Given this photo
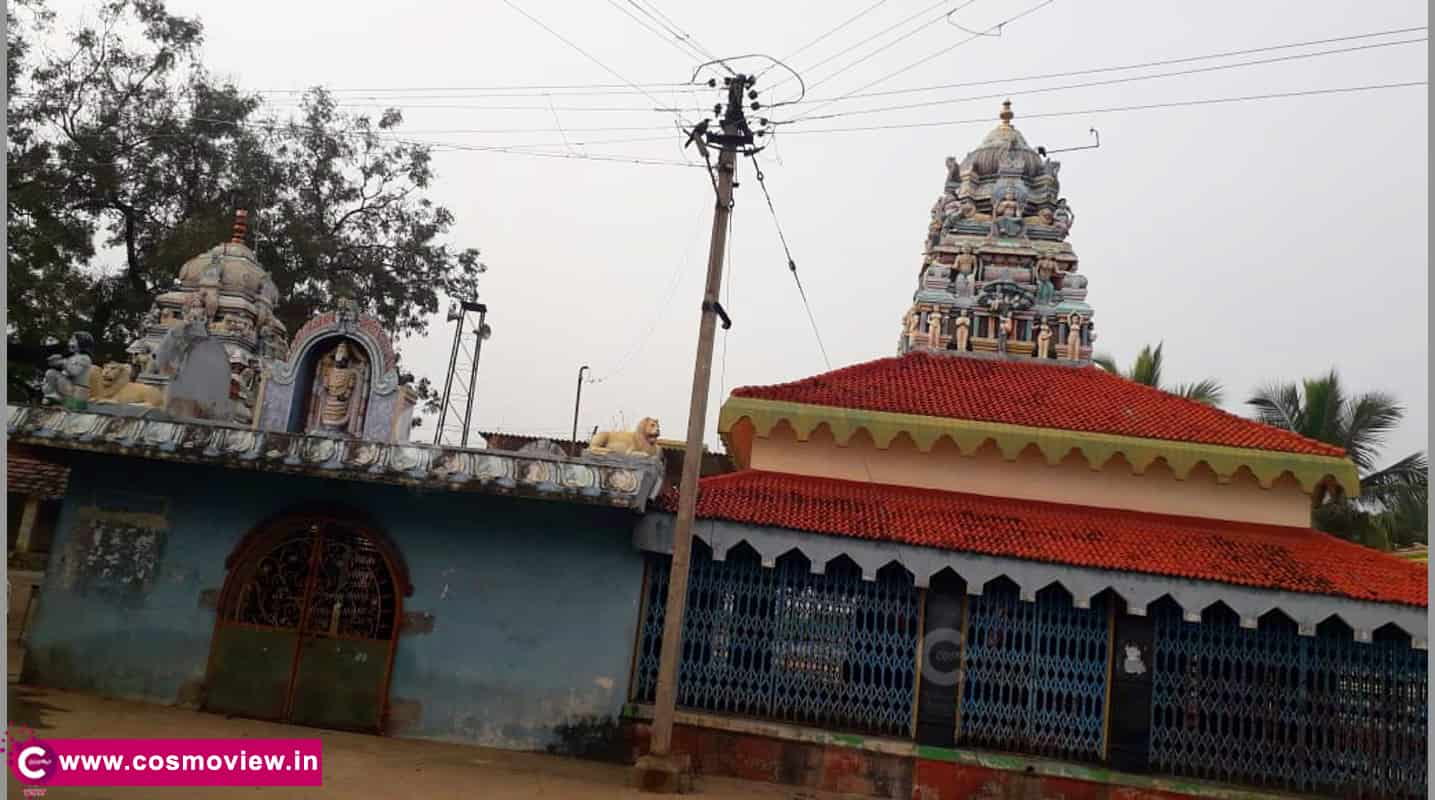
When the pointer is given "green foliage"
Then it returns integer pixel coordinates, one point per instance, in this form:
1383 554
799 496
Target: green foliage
1394 504
1146 370
127 158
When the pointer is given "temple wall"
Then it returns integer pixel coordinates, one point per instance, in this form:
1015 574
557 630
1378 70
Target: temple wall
522 619
1029 477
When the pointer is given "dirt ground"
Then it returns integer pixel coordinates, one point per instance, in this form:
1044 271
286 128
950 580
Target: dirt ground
355 765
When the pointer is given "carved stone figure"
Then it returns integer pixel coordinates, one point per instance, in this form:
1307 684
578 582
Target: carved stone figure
339 395
1043 341
1004 331
1062 218
965 267
141 357
909 323
196 309
72 383
934 329
1046 268
114 386
176 344
962 331
51 389
1045 216
641 441
1073 336
1006 215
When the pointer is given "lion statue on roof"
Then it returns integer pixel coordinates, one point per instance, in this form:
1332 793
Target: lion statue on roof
641 441
113 386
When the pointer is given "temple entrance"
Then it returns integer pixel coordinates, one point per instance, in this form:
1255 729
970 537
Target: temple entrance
306 627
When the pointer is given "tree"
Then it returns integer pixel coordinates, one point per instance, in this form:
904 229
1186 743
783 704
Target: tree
127 158
1147 371
1394 501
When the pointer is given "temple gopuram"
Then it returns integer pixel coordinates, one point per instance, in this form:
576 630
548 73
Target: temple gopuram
986 568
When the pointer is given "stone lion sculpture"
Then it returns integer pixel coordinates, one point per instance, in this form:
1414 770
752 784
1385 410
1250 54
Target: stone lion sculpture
642 441
113 386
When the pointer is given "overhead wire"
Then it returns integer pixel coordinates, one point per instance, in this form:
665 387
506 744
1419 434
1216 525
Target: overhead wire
923 11
787 251
1111 81
1123 67
663 20
909 34
511 4
672 41
943 51
1117 109
831 31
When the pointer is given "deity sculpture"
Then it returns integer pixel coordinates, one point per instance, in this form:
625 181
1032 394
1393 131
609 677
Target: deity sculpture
70 379
910 323
1043 341
962 331
338 393
1045 216
934 329
196 309
51 388
1062 217
1004 331
965 267
1046 268
1073 336
1006 215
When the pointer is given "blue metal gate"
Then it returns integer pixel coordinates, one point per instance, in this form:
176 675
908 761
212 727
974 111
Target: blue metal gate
831 650
1273 708
1034 678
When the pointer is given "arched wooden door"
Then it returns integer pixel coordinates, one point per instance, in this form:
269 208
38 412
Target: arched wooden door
308 619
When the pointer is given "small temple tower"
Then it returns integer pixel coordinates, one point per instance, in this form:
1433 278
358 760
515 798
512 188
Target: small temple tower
998 278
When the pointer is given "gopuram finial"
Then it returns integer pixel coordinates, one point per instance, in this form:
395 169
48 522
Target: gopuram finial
1006 115
241 225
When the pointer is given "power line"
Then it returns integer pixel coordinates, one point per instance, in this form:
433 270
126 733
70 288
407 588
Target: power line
791 264
584 53
674 42
895 42
626 87
666 109
946 49
1092 70
1111 81
1117 109
860 14
666 22
876 35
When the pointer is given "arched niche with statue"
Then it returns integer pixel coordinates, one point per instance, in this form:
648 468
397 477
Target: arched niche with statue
340 379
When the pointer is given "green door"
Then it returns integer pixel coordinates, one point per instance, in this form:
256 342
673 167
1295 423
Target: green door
306 634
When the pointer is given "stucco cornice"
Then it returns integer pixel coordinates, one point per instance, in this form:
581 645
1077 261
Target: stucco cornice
969 436
611 481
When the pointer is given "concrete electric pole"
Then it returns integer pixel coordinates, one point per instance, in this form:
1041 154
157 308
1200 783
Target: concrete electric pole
658 770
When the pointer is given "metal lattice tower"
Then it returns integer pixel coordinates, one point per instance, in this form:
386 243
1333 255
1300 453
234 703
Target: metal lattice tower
460 385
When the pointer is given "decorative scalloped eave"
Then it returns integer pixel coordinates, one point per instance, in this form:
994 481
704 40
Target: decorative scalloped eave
1099 449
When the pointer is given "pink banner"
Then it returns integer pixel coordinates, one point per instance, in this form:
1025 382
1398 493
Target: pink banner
167 762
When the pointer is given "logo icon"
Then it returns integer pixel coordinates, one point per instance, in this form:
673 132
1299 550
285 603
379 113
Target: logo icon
32 761
942 656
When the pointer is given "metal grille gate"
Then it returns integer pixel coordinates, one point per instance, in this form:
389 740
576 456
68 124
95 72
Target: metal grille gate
1034 677
1270 707
832 650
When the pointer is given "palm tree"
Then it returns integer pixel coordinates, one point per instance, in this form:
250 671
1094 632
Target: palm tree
1147 371
1394 500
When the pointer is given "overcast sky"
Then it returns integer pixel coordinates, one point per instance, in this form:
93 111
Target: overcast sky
1261 241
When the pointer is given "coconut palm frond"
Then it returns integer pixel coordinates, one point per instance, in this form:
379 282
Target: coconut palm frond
1279 405
1208 391
1367 420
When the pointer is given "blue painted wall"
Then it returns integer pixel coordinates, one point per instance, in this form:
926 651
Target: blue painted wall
535 603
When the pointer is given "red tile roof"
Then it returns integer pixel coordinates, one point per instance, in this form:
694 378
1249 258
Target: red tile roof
26 475
1031 394
1264 556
